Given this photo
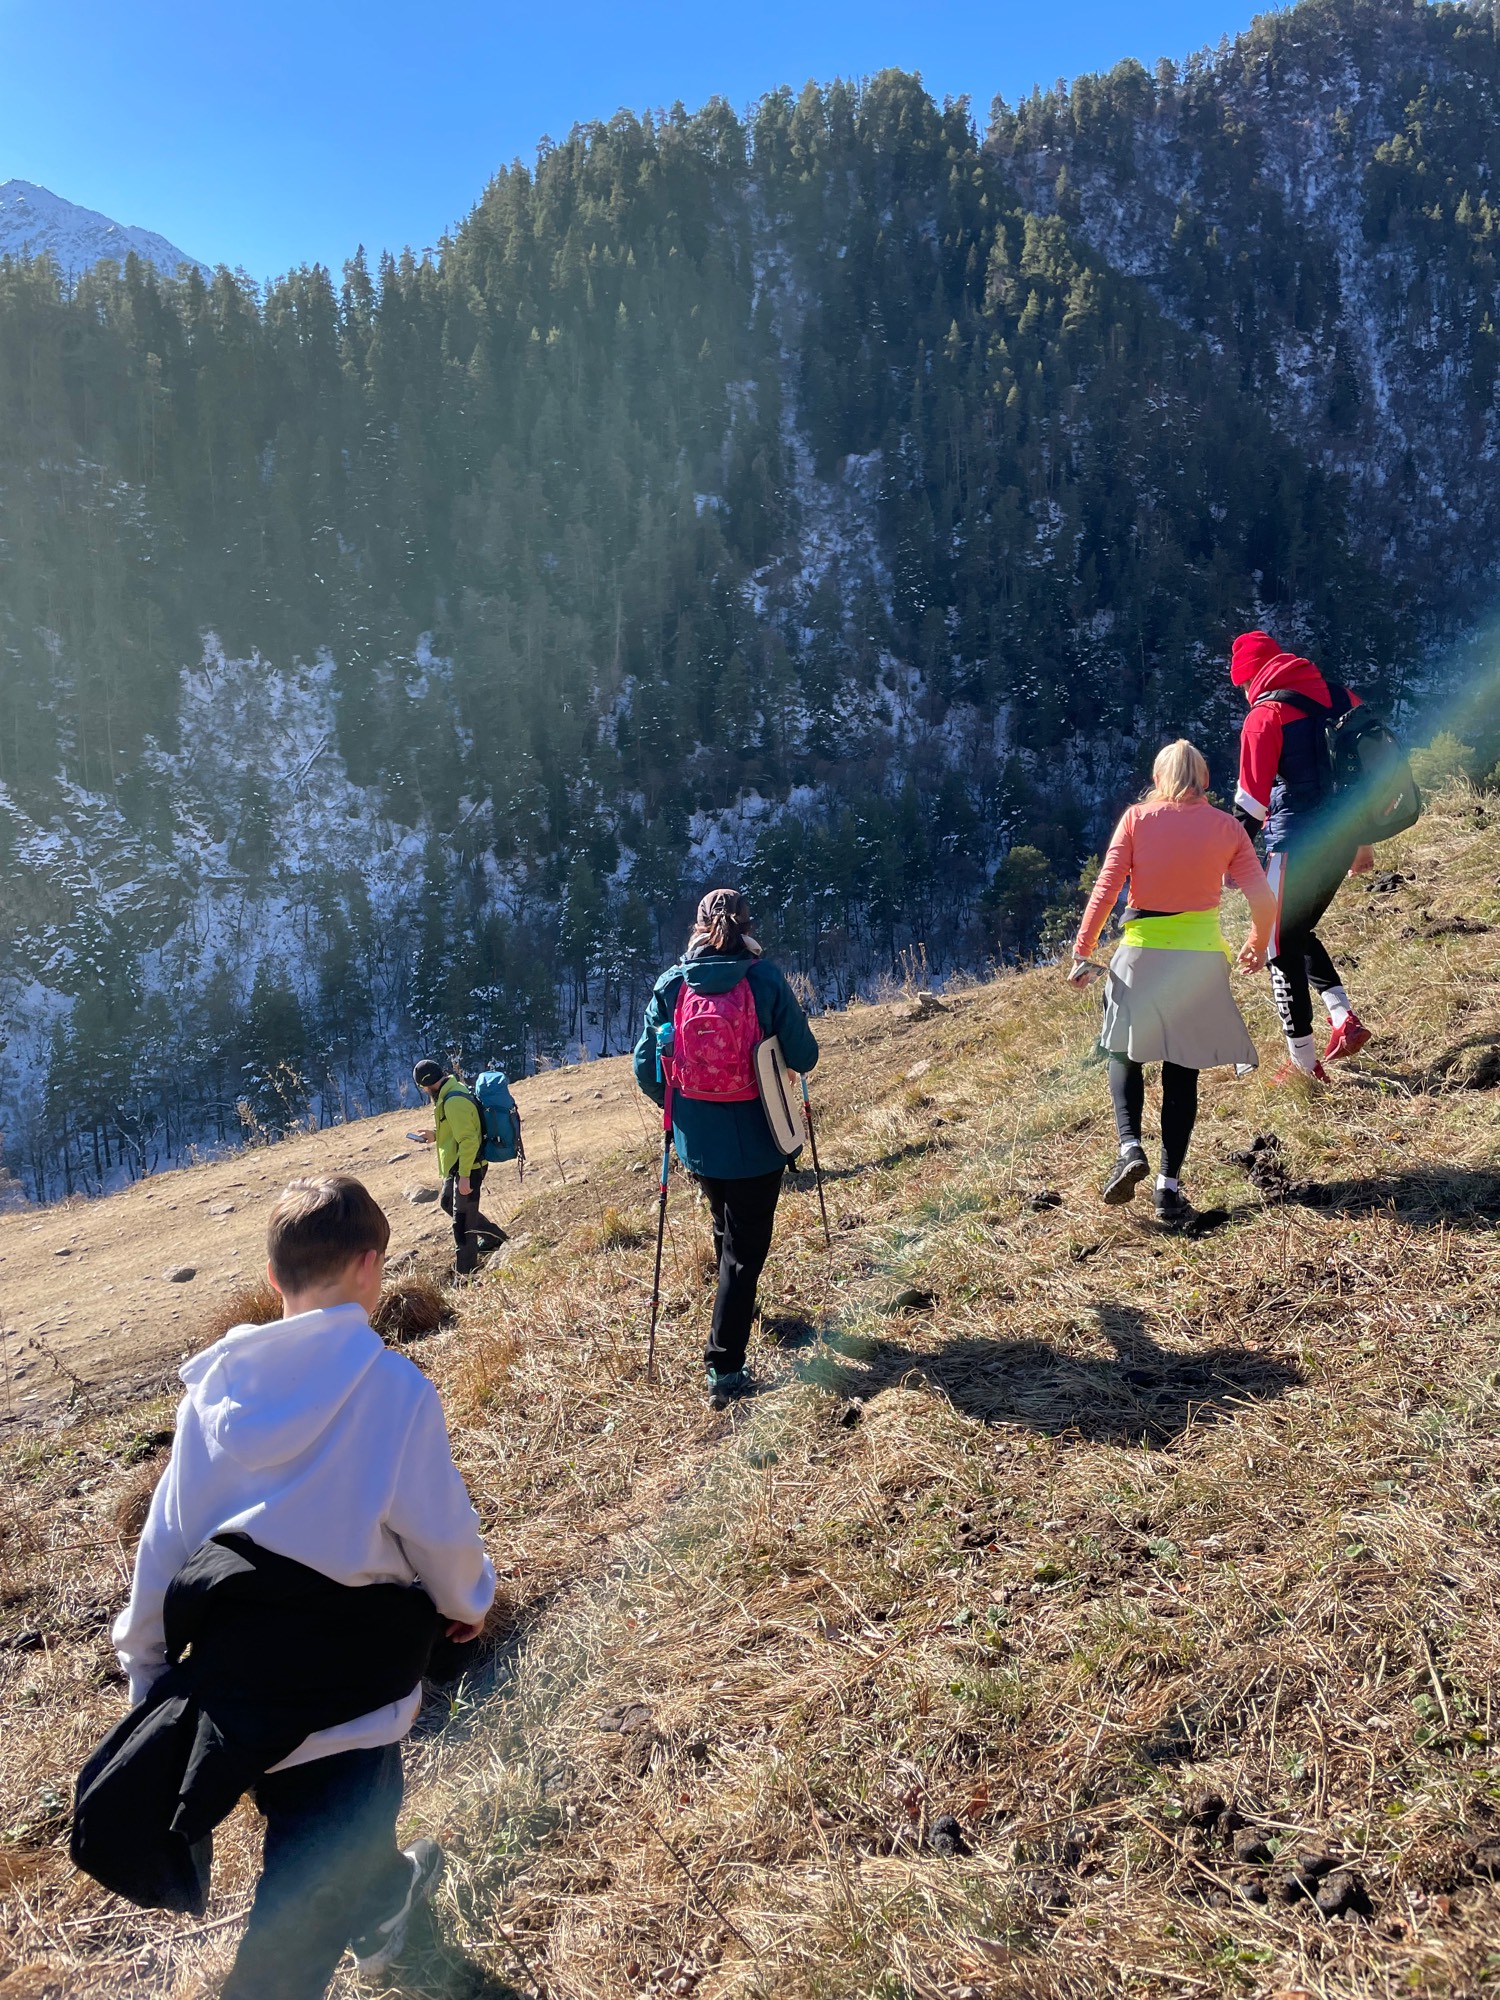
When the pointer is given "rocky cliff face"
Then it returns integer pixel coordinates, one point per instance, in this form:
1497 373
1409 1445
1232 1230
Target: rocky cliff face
1321 202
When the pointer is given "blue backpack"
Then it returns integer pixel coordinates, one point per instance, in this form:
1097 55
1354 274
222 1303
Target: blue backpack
502 1121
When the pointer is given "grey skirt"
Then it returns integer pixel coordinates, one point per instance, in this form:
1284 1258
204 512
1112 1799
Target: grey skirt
1173 1006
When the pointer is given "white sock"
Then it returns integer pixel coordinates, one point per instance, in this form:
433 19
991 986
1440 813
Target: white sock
1165 1181
1304 1052
1336 1000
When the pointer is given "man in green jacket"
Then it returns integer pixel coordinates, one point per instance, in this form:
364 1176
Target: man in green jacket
458 1129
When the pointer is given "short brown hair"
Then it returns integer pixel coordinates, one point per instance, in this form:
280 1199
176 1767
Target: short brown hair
321 1224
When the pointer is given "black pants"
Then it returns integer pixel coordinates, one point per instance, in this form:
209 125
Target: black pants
1179 1107
331 1873
1306 880
467 1220
744 1213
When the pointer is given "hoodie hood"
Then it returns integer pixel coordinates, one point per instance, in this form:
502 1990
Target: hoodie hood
709 971
1258 665
265 1394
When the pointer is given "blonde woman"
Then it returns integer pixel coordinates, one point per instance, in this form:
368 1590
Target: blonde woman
1167 998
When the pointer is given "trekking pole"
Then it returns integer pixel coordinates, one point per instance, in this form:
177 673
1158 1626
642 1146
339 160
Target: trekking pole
663 1077
812 1139
661 1230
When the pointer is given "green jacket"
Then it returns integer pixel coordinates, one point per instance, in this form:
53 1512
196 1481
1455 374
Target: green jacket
459 1128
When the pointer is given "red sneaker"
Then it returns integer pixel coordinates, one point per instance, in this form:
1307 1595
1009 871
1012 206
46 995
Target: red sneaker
1347 1039
1291 1072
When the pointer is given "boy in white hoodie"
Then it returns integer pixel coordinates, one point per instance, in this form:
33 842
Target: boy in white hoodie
317 1441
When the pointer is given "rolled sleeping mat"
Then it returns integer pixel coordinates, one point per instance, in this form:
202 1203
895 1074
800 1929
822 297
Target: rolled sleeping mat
777 1097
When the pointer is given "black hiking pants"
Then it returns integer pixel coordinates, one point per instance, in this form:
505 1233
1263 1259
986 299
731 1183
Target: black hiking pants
744 1213
468 1224
331 1873
1306 879
1179 1107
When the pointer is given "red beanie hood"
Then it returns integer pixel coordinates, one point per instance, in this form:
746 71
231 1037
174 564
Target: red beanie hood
1258 665
1250 652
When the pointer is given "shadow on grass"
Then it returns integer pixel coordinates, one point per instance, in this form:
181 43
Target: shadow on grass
1143 1394
801 1175
1461 1197
434 1968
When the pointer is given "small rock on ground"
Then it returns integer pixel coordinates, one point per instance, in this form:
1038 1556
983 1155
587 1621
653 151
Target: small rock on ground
627 1717
946 1836
420 1193
180 1274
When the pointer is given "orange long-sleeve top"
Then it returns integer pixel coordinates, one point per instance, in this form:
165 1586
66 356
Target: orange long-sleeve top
1177 855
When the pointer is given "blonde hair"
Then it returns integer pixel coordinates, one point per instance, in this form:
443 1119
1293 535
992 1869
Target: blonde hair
1180 772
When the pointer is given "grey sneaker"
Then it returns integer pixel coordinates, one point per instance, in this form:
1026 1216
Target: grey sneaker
1124 1177
726 1388
378 1950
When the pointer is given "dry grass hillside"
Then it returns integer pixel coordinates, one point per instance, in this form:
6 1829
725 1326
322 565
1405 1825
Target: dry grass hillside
90 1306
1076 1612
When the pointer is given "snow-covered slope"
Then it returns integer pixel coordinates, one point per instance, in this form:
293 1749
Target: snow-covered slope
33 220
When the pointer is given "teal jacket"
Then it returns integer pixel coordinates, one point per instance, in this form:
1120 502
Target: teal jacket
727 1142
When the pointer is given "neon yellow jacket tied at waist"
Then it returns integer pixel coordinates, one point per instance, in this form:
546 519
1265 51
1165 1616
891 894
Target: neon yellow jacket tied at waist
459 1129
1188 930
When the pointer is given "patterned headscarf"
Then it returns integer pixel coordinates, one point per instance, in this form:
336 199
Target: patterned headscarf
723 924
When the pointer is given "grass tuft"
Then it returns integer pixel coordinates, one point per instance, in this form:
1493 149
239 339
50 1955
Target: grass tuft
412 1308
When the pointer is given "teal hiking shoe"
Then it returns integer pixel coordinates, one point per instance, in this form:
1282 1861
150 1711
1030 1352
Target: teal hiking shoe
724 1389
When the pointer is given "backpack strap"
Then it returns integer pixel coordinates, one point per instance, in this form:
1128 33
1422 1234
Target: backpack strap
1305 704
466 1090
1339 704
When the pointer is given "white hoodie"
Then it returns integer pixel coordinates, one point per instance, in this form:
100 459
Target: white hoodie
319 1442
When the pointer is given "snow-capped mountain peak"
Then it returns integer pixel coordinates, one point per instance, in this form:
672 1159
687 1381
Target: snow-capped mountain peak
33 220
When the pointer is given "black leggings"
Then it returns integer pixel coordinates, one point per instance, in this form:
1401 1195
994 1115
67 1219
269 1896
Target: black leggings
1179 1107
1306 880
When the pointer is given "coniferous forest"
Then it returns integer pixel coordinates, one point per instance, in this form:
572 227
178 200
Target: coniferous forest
847 497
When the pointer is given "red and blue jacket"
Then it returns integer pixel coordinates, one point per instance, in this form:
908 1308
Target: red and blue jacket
1285 775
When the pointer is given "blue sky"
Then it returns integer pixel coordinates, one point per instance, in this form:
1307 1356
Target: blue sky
268 134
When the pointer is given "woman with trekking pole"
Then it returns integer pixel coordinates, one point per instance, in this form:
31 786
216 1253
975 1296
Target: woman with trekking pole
696 1058
1167 995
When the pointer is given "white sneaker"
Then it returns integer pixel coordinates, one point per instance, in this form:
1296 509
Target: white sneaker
385 1944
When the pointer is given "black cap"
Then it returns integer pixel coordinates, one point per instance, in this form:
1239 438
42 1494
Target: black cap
427 1073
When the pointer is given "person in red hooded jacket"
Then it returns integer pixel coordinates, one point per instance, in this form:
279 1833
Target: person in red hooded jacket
1286 792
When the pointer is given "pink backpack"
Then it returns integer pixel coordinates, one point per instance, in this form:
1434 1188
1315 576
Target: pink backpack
714 1038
